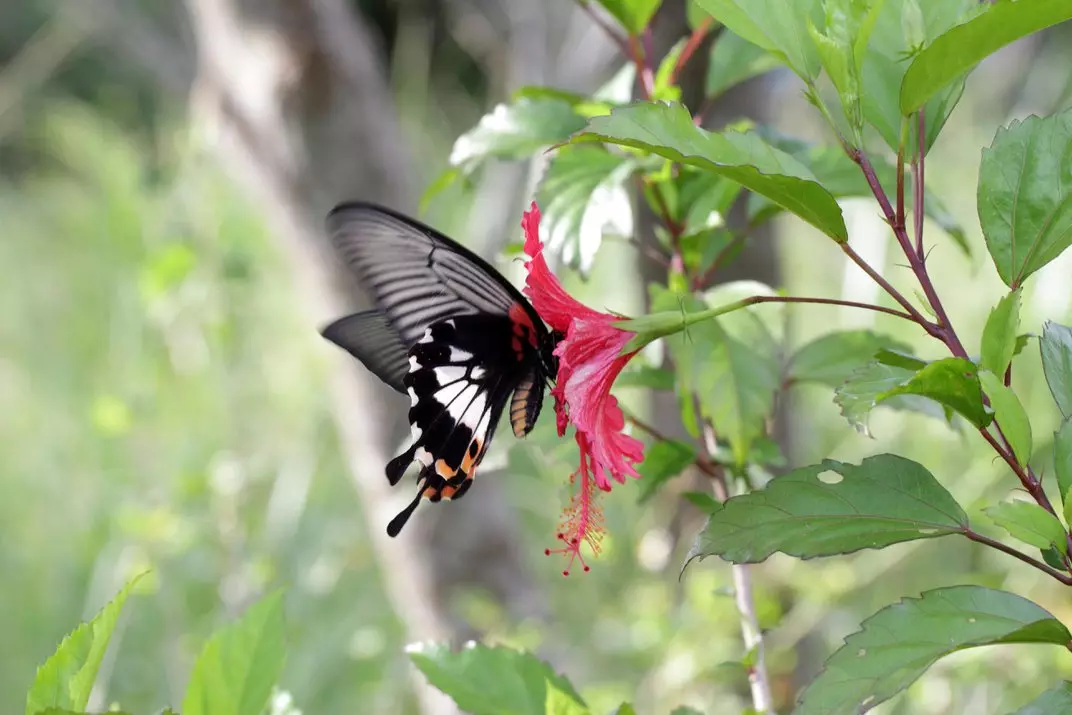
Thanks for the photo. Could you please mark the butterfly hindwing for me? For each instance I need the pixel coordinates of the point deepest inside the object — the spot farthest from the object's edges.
(369, 337)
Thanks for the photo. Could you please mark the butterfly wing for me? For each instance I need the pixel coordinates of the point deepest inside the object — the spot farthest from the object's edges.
(451, 331)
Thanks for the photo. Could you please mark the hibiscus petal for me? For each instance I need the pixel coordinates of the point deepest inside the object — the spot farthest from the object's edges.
(549, 298)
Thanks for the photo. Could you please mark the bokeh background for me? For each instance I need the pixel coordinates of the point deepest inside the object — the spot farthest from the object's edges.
(167, 402)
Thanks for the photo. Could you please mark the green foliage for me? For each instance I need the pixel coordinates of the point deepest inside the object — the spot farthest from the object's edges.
(634, 15)
(735, 60)
(999, 334)
(1010, 414)
(668, 131)
(662, 462)
(831, 359)
(1057, 699)
(958, 50)
(486, 680)
(1056, 347)
(778, 26)
(66, 679)
(1031, 524)
(1062, 460)
(833, 508)
(237, 668)
(1025, 195)
(897, 644)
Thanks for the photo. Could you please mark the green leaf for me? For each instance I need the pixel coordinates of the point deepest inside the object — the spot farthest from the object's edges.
(662, 462)
(634, 15)
(1056, 347)
(895, 38)
(236, 670)
(832, 358)
(735, 60)
(778, 26)
(1055, 701)
(833, 508)
(953, 383)
(841, 49)
(841, 176)
(560, 703)
(1062, 460)
(957, 51)
(1010, 414)
(655, 378)
(1030, 523)
(625, 709)
(1025, 195)
(514, 131)
(703, 501)
(65, 680)
(859, 394)
(897, 645)
(665, 87)
(486, 680)
(686, 711)
(999, 334)
(668, 130)
(582, 195)
(734, 373)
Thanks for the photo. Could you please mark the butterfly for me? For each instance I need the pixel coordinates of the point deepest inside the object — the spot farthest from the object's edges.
(448, 330)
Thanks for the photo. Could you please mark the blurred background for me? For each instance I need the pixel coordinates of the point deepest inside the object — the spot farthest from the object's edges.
(169, 404)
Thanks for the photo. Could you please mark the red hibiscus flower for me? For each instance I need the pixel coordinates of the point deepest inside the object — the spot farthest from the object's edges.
(589, 360)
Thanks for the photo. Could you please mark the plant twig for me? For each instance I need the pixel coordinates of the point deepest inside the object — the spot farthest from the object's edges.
(694, 41)
(1005, 548)
(751, 633)
(917, 188)
(642, 60)
(855, 257)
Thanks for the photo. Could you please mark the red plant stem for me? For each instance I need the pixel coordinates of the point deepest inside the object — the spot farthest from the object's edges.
(917, 186)
(855, 257)
(694, 41)
(1066, 579)
(641, 58)
(757, 299)
(900, 187)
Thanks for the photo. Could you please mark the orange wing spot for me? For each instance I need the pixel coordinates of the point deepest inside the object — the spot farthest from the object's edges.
(472, 456)
(447, 492)
(519, 412)
(443, 469)
(429, 492)
(521, 319)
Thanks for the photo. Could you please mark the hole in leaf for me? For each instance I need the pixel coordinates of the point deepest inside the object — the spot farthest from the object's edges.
(830, 477)
(861, 653)
(927, 532)
(971, 620)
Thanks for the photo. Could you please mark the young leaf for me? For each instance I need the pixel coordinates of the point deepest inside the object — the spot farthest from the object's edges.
(66, 679)
(999, 334)
(1062, 460)
(778, 26)
(582, 194)
(560, 703)
(1055, 701)
(735, 60)
(634, 15)
(953, 383)
(897, 645)
(1010, 415)
(665, 89)
(237, 668)
(668, 130)
(864, 388)
(662, 462)
(895, 38)
(1025, 195)
(485, 680)
(958, 50)
(1056, 347)
(1030, 523)
(513, 131)
(833, 508)
(832, 358)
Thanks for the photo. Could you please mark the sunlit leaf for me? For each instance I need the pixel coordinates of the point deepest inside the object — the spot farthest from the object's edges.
(1030, 523)
(999, 334)
(1056, 346)
(832, 358)
(514, 131)
(236, 670)
(958, 50)
(833, 508)
(1010, 414)
(953, 383)
(1055, 701)
(779, 26)
(668, 130)
(582, 195)
(1025, 195)
(485, 680)
(870, 386)
(897, 645)
(634, 15)
(560, 703)
(66, 679)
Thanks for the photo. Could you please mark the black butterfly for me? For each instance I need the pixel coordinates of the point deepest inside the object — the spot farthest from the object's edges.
(451, 332)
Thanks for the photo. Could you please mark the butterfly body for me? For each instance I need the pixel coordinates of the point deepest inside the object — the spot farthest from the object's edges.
(451, 333)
